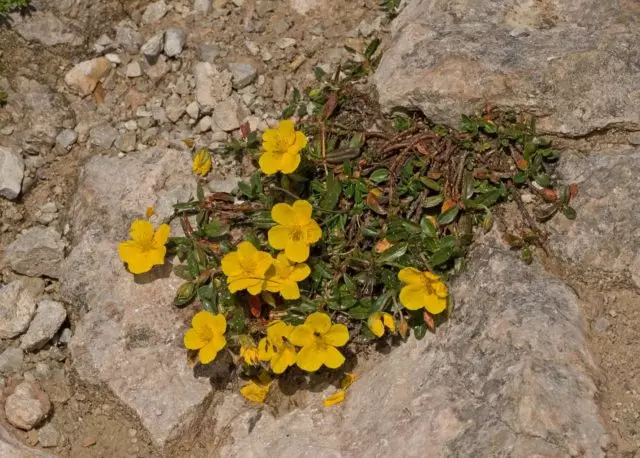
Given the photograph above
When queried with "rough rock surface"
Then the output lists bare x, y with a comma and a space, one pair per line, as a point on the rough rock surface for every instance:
130, 336
17, 307
11, 447
517, 383
48, 318
84, 77
37, 251
11, 173
570, 63
605, 238
27, 406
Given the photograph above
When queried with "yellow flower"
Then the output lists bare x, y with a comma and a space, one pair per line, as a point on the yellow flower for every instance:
347, 380
201, 162
335, 398
276, 348
282, 147
283, 277
149, 212
423, 290
256, 391
246, 268
378, 321
295, 231
319, 339
146, 249
250, 355
206, 335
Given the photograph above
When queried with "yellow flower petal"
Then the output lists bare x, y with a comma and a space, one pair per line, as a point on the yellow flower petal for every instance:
246, 249
283, 214
231, 264
269, 163
149, 212
302, 336
314, 232
311, 358
201, 162
278, 331
162, 235
300, 272
413, 297
210, 321
289, 163
435, 304
239, 283
347, 380
209, 352
286, 128
318, 322
389, 322
337, 335
265, 350
278, 237
255, 392
335, 398
299, 142
303, 211
193, 340
296, 251
142, 231
375, 324
289, 290
410, 275
333, 359
129, 250
283, 359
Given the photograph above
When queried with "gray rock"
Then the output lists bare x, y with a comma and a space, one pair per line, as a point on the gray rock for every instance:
153, 47
204, 125
154, 12
202, 6
193, 110
508, 372
11, 173
103, 44
602, 243
175, 108
47, 213
133, 69
84, 77
11, 447
304, 6
212, 85
159, 69
601, 324
174, 40
208, 52
37, 251
226, 184
571, 70
279, 87
129, 38
160, 115
43, 27
226, 115
126, 142
11, 361
103, 136
66, 139
49, 317
65, 336
122, 339
243, 74
27, 406
285, 42
48, 436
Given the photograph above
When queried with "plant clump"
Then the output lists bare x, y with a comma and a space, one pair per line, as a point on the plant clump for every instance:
350, 230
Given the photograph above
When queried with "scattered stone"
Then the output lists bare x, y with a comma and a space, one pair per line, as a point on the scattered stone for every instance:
154, 12
279, 87
27, 406
202, 6
11, 173
205, 124
174, 41
227, 184
43, 27
159, 69
103, 136
48, 436
11, 360
160, 115
133, 69
243, 74
126, 142
84, 77
37, 251
47, 212
17, 307
304, 6
153, 47
175, 108
65, 336
113, 58
66, 139
238, 2
252, 47
297, 62
129, 39
103, 44
10, 447
89, 441
284, 43
193, 110
48, 318
225, 115
208, 52
131, 125
601, 324
212, 85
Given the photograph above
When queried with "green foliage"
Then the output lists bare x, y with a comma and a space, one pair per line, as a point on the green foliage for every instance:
6, 6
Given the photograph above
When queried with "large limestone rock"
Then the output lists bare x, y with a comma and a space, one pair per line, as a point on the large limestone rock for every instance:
11, 447
129, 334
508, 374
604, 241
570, 63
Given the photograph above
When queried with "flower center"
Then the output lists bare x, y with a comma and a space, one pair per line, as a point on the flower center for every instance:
205, 333
297, 234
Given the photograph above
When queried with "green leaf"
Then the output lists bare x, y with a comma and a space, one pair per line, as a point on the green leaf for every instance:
332, 193
200, 192
361, 312
569, 212
432, 201
393, 254
431, 184
382, 300
372, 48
420, 330
185, 294
319, 73
440, 256
192, 262
379, 175
246, 189
448, 216
427, 227
182, 271
543, 180
216, 228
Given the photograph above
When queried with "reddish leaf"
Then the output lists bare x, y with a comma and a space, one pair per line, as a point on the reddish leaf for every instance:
549, 195
428, 319
245, 129
573, 191
255, 306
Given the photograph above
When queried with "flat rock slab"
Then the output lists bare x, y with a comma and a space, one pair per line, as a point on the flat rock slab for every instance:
129, 335
604, 240
507, 375
569, 63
